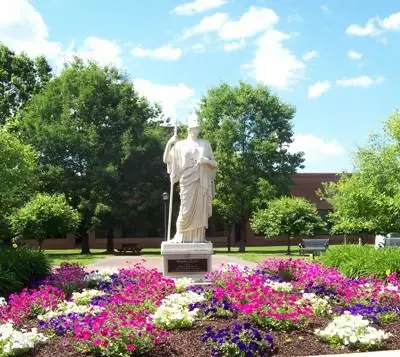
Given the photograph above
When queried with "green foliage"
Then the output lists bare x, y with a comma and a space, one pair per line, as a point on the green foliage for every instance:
17, 173
21, 266
44, 216
369, 199
355, 261
97, 144
289, 217
20, 78
250, 130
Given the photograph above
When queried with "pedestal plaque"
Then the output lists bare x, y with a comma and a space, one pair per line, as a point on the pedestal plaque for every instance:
191, 260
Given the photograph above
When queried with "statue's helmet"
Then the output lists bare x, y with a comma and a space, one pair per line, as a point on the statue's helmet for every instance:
193, 121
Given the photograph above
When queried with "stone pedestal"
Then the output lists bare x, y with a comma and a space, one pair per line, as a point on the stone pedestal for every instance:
190, 260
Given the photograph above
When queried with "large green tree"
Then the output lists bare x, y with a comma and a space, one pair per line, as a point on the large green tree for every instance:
20, 78
250, 130
92, 133
287, 216
368, 200
17, 176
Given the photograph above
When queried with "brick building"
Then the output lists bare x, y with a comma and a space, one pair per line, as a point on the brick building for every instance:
304, 185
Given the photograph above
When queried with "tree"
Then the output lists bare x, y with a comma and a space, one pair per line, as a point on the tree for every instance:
250, 130
44, 216
17, 176
368, 200
287, 216
20, 78
90, 128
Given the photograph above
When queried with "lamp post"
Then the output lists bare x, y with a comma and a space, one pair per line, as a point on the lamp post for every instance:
165, 197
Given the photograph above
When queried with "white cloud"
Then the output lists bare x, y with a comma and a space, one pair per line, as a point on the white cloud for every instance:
273, 64
22, 28
361, 81
172, 98
325, 8
166, 53
318, 88
310, 55
251, 23
370, 29
233, 46
198, 6
316, 149
392, 22
354, 55
97, 49
198, 47
207, 24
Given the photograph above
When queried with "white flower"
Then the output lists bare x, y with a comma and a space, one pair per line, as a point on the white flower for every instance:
83, 298
353, 330
320, 306
3, 302
103, 275
182, 283
174, 310
14, 342
277, 286
67, 307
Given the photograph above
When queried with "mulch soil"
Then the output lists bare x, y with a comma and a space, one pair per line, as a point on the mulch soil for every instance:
187, 343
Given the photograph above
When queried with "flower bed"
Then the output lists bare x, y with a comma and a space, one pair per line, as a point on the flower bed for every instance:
281, 308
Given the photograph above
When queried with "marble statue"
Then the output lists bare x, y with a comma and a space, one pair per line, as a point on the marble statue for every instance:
191, 163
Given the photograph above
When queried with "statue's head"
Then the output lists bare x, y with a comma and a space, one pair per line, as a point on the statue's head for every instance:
193, 125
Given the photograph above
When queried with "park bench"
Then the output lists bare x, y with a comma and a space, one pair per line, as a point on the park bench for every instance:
313, 246
392, 242
130, 247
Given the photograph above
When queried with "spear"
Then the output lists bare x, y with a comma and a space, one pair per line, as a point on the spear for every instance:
171, 192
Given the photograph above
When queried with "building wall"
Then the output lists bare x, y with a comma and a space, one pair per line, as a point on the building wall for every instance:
304, 185
59, 243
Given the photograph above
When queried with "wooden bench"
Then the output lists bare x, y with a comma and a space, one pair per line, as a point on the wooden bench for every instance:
130, 247
313, 246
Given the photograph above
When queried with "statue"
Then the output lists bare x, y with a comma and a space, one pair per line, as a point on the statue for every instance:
191, 163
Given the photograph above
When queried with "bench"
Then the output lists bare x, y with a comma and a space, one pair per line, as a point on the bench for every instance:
130, 247
392, 242
313, 246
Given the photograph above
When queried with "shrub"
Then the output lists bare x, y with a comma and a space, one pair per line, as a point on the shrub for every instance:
44, 216
355, 261
20, 267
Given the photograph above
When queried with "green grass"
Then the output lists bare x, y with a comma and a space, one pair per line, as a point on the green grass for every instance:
256, 254
253, 254
57, 256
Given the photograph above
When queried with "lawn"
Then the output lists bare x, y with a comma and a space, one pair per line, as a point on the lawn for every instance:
56, 256
254, 254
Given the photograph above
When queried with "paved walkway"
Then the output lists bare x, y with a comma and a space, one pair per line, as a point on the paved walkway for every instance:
126, 261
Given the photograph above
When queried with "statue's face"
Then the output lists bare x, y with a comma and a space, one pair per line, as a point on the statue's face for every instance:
194, 132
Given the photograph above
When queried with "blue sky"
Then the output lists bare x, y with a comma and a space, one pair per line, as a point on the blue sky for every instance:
336, 61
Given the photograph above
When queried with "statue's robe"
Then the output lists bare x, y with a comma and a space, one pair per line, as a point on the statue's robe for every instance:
197, 188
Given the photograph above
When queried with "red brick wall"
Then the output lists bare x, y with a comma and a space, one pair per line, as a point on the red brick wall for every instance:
59, 243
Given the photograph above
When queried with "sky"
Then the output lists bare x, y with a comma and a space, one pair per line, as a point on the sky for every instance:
336, 61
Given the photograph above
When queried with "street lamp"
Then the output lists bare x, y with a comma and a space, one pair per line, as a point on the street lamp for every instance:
165, 197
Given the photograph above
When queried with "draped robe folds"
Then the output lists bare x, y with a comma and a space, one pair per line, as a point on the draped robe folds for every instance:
197, 188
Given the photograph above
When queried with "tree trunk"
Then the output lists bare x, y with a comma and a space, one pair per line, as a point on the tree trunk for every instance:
345, 239
110, 240
243, 236
229, 239
40, 241
85, 243
289, 244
